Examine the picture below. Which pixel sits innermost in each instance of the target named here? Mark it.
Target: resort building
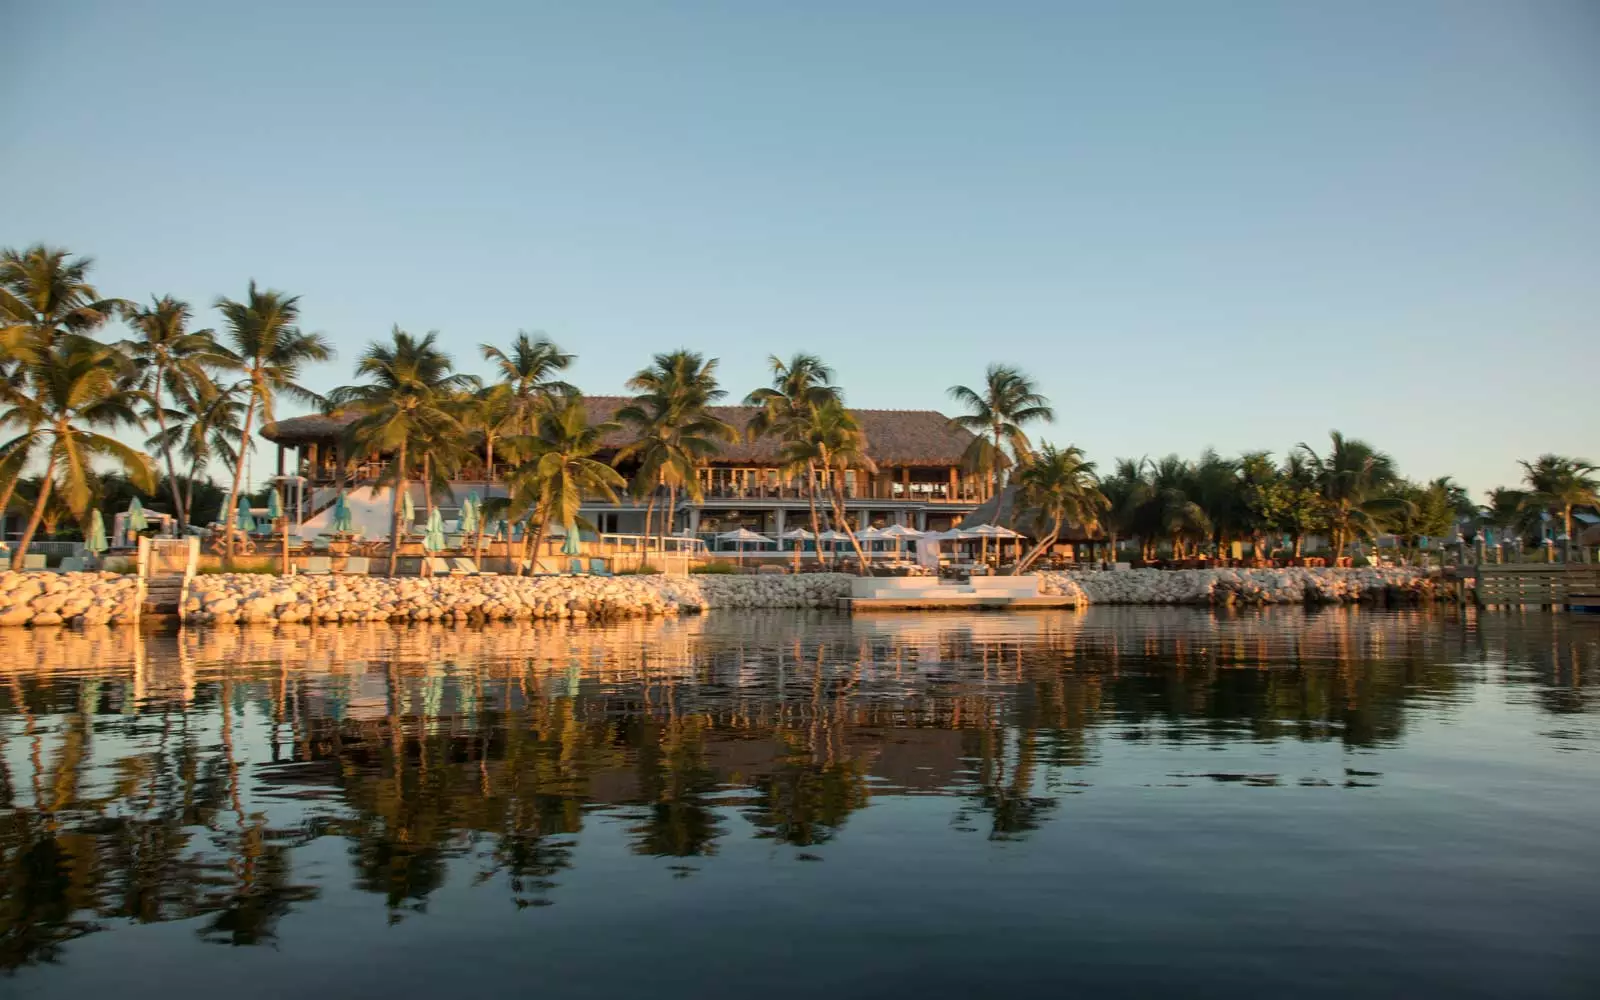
(919, 482)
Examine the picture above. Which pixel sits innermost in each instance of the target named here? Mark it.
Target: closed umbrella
(502, 530)
(342, 520)
(469, 514)
(274, 505)
(137, 522)
(433, 538)
(96, 542)
(408, 513)
(247, 520)
(570, 540)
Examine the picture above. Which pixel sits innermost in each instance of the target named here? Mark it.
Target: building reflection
(174, 777)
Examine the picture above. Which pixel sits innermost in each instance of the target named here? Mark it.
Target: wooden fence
(1537, 584)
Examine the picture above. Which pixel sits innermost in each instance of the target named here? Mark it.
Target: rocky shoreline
(43, 599)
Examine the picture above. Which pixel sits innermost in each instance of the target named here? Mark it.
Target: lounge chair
(357, 566)
(597, 567)
(319, 543)
(575, 566)
(468, 567)
(318, 566)
(439, 566)
(35, 560)
(72, 564)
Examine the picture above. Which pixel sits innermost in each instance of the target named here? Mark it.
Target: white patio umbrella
(900, 533)
(798, 536)
(869, 534)
(742, 536)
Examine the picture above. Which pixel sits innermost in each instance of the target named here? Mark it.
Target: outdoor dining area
(895, 550)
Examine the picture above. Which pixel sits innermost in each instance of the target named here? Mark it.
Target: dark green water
(1121, 802)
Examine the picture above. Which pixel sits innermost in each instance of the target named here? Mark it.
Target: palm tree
(1509, 512)
(174, 362)
(1302, 505)
(784, 408)
(1351, 480)
(556, 468)
(1168, 510)
(44, 297)
(271, 350)
(1125, 491)
(77, 384)
(674, 428)
(1008, 400)
(202, 429)
(404, 408)
(1557, 483)
(529, 371)
(1058, 486)
(490, 414)
(833, 442)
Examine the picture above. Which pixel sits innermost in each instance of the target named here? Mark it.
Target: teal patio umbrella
(569, 544)
(433, 538)
(408, 513)
(469, 514)
(502, 530)
(96, 542)
(274, 505)
(342, 519)
(247, 520)
(137, 522)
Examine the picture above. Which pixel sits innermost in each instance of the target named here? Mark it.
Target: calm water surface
(1119, 802)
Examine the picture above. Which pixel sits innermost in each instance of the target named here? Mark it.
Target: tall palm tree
(834, 443)
(1509, 512)
(1351, 479)
(490, 414)
(556, 468)
(1303, 505)
(272, 351)
(529, 370)
(404, 407)
(675, 431)
(75, 386)
(1168, 510)
(784, 408)
(45, 297)
(202, 430)
(1058, 486)
(1557, 483)
(175, 362)
(1006, 402)
(1125, 492)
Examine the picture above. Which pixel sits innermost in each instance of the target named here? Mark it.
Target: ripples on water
(1124, 800)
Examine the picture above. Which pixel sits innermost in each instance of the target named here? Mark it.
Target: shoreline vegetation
(93, 599)
(201, 395)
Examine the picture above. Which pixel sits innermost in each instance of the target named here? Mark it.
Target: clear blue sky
(1236, 224)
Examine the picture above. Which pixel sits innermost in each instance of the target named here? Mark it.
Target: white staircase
(369, 511)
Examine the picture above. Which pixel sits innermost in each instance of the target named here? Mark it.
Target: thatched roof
(1001, 509)
(894, 437)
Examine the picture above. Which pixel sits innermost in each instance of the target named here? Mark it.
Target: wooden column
(905, 481)
(954, 486)
(280, 459)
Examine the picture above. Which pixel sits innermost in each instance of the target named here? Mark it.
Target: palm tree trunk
(538, 539)
(400, 486)
(811, 500)
(181, 512)
(1038, 550)
(228, 520)
(427, 505)
(649, 518)
(488, 474)
(20, 557)
(667, 519)
(855, 543)
(1566, 555)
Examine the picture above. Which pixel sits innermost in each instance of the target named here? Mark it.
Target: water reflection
(176, 776)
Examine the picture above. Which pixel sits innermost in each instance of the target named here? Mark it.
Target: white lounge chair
(318, 566)
(72, 564)
(357, 566)
(467, 567)
(35, 560)
(439, 565)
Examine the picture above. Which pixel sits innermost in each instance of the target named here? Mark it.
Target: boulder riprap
(1295, 585)
(229, 598)
(68, 599)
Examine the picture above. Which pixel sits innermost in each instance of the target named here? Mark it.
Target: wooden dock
(1545, 585)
